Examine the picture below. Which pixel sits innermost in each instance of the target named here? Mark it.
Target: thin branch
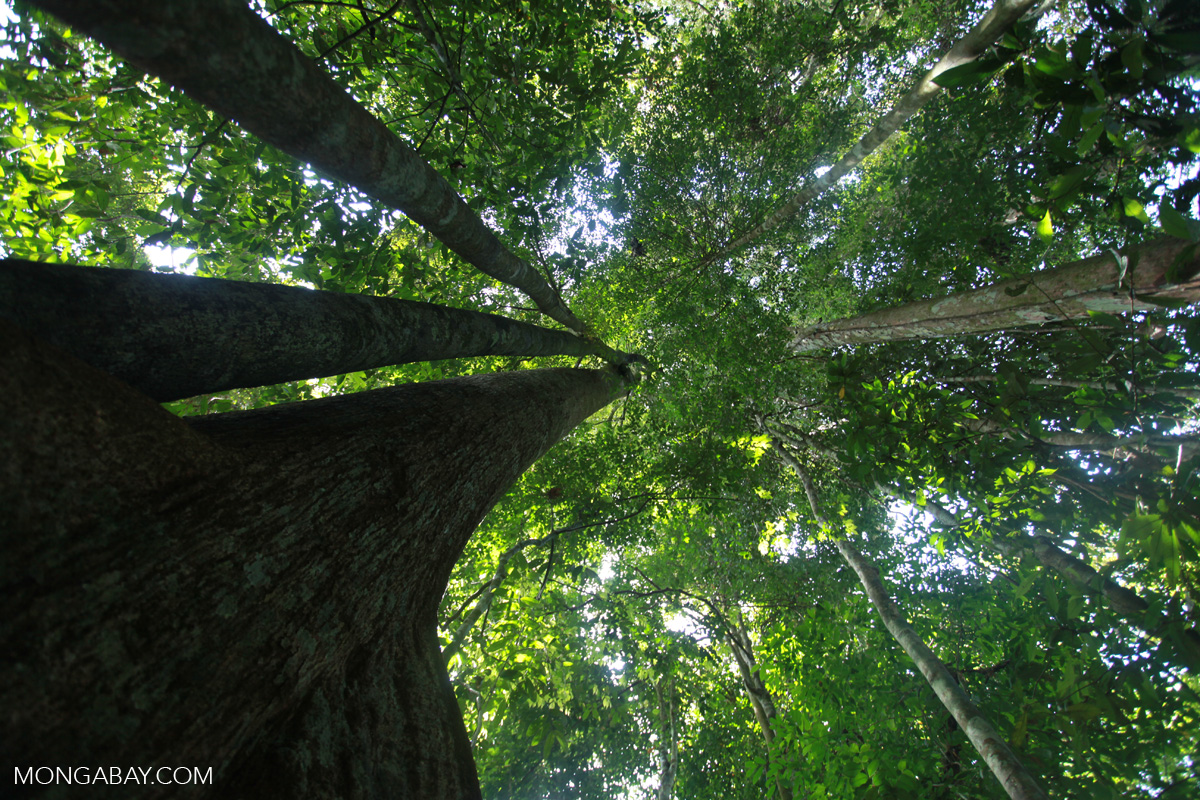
(362, 29)
(452, 76)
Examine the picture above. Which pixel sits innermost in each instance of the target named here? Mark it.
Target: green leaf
(1183, 268)
(1045, 229)
(1107, 319)
(1175, 224)
(1134, 208)
(970, 74)
(1069, 182)
(1131, 57)
(1190, 139)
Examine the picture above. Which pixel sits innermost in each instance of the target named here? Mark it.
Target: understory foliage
(617, 145)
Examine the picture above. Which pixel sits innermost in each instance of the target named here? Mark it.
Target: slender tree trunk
(173, 336)
(1053, 295)
(974, 43)
(1121, 600)
(760, 696)
(668, 744)
(1001, 760)
(253, 591)
(222, 54)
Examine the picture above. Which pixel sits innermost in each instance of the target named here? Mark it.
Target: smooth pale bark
(222, 54)
(1076, 440)
(254, 591)
(668, 739)
(971, 46)
(1123, 601)
(760, 696)
(1000, 759)
(1178, 391)
(1052, 295)
(173, 336)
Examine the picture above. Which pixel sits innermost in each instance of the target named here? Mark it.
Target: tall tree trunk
(1053, 295)
(253, 591)
(1001, 760)
(173, 336)
(224, 55)
(974, 43)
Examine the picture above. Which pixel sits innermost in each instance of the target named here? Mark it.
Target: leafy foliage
(619, 144)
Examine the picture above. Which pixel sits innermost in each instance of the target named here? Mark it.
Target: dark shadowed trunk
(254, 591)
(174, 336)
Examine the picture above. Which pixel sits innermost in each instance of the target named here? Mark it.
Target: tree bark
(222, 54)
(1000, 759)
(254, 591)
(1178, 391)
(1053, 295)
(760, 696)
(668, 744)
(974, 43)
(174, 336)
(1077, 440)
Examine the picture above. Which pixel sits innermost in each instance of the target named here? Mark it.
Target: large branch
(1075, 440)
(1002, 761)
(1052, 295)
(225, 56)
(974, 44)
(1123, 601)
(174, 336)
(1106, 386)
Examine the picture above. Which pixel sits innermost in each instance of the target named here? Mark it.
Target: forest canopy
(674, 601)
